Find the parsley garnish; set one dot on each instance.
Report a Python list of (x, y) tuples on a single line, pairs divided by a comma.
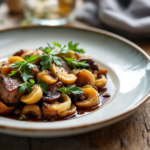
[(74, 64), (50, 54), (27, 86), (24, 86), (43, 86), (70, 89), (74, 48), (23, 67), (57, 44)]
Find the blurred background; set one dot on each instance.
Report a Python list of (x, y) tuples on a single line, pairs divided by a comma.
[(43, 12), (128, 18)]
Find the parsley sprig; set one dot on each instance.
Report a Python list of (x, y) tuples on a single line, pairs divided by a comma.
[(50, 54), (74, 47), (75, 64), (28, 85), (71, 46), (70, 89), (23, 67)]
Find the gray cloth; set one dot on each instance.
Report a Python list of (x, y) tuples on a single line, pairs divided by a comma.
[(129, 18)]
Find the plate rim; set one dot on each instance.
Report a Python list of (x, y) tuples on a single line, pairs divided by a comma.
[(88, 29)]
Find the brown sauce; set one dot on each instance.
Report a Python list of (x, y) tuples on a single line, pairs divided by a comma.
[(80, 111)]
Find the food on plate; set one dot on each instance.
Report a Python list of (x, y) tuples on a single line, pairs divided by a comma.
[(51, 83)]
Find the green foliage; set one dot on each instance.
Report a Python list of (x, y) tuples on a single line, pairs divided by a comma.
[(70, 89)]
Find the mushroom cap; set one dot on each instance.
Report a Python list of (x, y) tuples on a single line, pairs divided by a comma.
[(51, 96)]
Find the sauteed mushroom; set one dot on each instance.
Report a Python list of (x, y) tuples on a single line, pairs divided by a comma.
[(85, 77), (5, 109), (31, 109), (62, 75), (34, 96), (101, 82), (51, 96), (57, 108), (92, 97), (44, 76), (69, 112), (92, 64), (55, 86)]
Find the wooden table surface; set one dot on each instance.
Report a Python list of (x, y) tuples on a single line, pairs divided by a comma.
[(132, 133)]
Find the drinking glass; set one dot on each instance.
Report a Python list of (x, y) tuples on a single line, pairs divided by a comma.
[(49, 12)]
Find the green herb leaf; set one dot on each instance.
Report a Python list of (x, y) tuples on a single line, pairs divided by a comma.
[(23, 67), (17, 64), (82, 64), (74, 48), (49, 46), (43, 85), (31, 65), (25, 72), (57, 60), (12, 73), (57, 44), (32, 81), (46, 61), (63, 51), (70, 89), (24, 86), (45, 50), (25, 76), (31, 59), (74, 64)]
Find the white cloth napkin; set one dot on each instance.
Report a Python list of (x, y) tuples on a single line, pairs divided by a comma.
[(129, 18)]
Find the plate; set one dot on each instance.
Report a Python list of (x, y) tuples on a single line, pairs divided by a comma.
[(128, 66)]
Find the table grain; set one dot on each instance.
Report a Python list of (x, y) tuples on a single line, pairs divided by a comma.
[(132, 133)]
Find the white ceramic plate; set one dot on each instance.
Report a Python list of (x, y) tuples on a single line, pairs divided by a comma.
[(128, 66)]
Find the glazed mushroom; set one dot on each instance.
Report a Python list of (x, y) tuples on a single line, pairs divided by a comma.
[(85, 77), (6, 69), (14, 59), (69, 112), (34, 96), (71, 54), (31, 109), (65, 66), (62, 74), (52, 93), (5, 109), (55, 86), (57, 108), (45, 76), (92, 64), (101, 82), (92, 97), (75, 71), (51, 96)]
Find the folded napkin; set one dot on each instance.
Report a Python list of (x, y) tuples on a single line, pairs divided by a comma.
[(129, 18)]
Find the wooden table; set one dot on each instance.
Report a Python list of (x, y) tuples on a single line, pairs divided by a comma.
[(132, 133)]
